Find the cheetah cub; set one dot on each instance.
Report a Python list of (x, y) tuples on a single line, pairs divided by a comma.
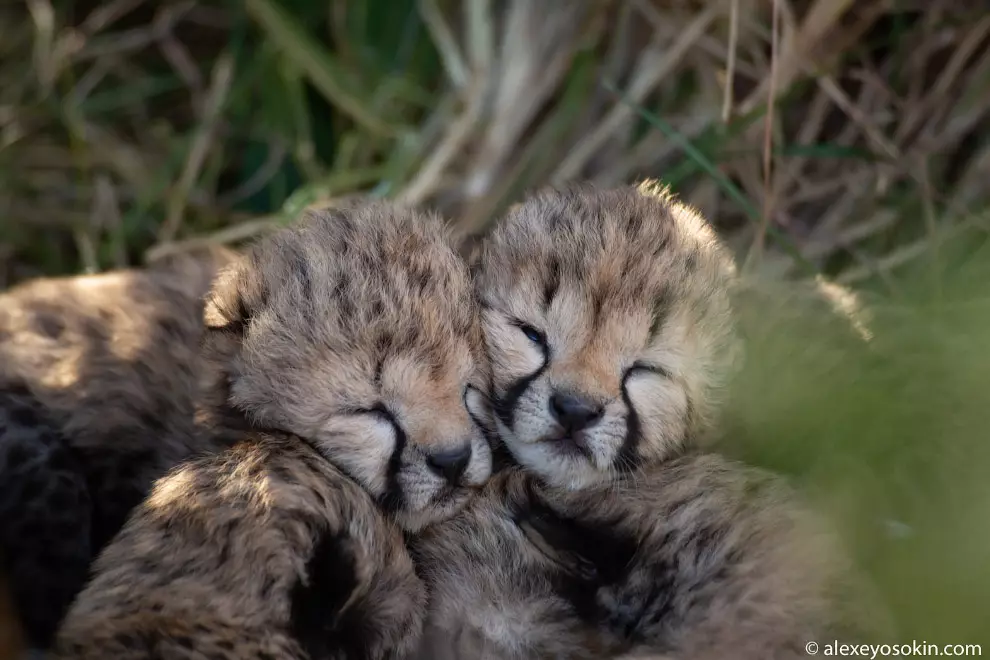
[(608, 324), (97, 389), (339, 360)]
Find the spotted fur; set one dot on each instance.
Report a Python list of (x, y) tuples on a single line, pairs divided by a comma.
[(263, 552), (97, 384), (619, 298), (357, 331), (339, 360), (612, 536)]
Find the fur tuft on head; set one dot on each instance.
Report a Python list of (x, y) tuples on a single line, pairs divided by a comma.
[(609, 328), (357, 330)]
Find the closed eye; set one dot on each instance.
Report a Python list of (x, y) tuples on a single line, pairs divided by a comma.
[(378, 410), (649, 368), (531, 333)]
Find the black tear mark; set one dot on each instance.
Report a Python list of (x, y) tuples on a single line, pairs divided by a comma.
[(318, 620), (505, 407), (628, 457), (392, 499)]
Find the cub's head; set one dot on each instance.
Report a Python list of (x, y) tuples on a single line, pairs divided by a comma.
[(357, 330), (608, 326)]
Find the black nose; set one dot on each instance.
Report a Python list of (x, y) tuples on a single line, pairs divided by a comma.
[(574, 412), (451, 464)]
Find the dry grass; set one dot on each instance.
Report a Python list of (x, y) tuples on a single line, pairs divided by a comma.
[(129, 125), (849, 138)]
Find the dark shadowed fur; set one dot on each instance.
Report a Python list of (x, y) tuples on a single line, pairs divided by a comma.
[(608, 323), (263, 552), (97, 383), (697, 558), (12, 643), (340, 356)]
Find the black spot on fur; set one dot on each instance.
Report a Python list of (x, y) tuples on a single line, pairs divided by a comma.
[(691, 262), (661, 310), (663, 244), (49, 325), (152, 423), (171, 329), (128, 641), (301, 272), (552, 283), (317, 622), (16, 456)]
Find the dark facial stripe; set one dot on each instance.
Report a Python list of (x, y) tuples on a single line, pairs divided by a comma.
[(628, 456), (392, 498), (505, 407)]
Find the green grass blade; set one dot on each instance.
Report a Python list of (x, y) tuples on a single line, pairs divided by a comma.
[(727, 186), (318, 65)]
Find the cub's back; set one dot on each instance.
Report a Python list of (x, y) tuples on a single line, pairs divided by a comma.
[(109, 353)]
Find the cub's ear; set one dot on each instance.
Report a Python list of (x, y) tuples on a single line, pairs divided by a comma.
[(470, 249), (232, 299)]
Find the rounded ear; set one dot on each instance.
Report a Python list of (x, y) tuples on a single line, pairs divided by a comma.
[(226, 310), (470, 250), (226, 316)]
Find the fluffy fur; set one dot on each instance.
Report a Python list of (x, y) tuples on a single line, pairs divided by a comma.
[(613, 536), (339, 359), (263, 552), (615, 298), (357, 331), (698, 558), (97, 383)]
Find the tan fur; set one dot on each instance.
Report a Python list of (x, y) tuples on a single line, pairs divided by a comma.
[(630, 290), (618, 539), (97, 392), (356, 309), (702, 559), (106, 353), (339, 360), (209, 562)]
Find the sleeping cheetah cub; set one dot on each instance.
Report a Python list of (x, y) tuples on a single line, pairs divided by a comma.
[(340, 355), (608, 324), (97, 389)]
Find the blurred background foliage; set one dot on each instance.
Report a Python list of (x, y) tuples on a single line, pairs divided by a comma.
[(832, 142)]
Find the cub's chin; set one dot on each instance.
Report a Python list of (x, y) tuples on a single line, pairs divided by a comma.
[(446, 503), (561, 460)]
